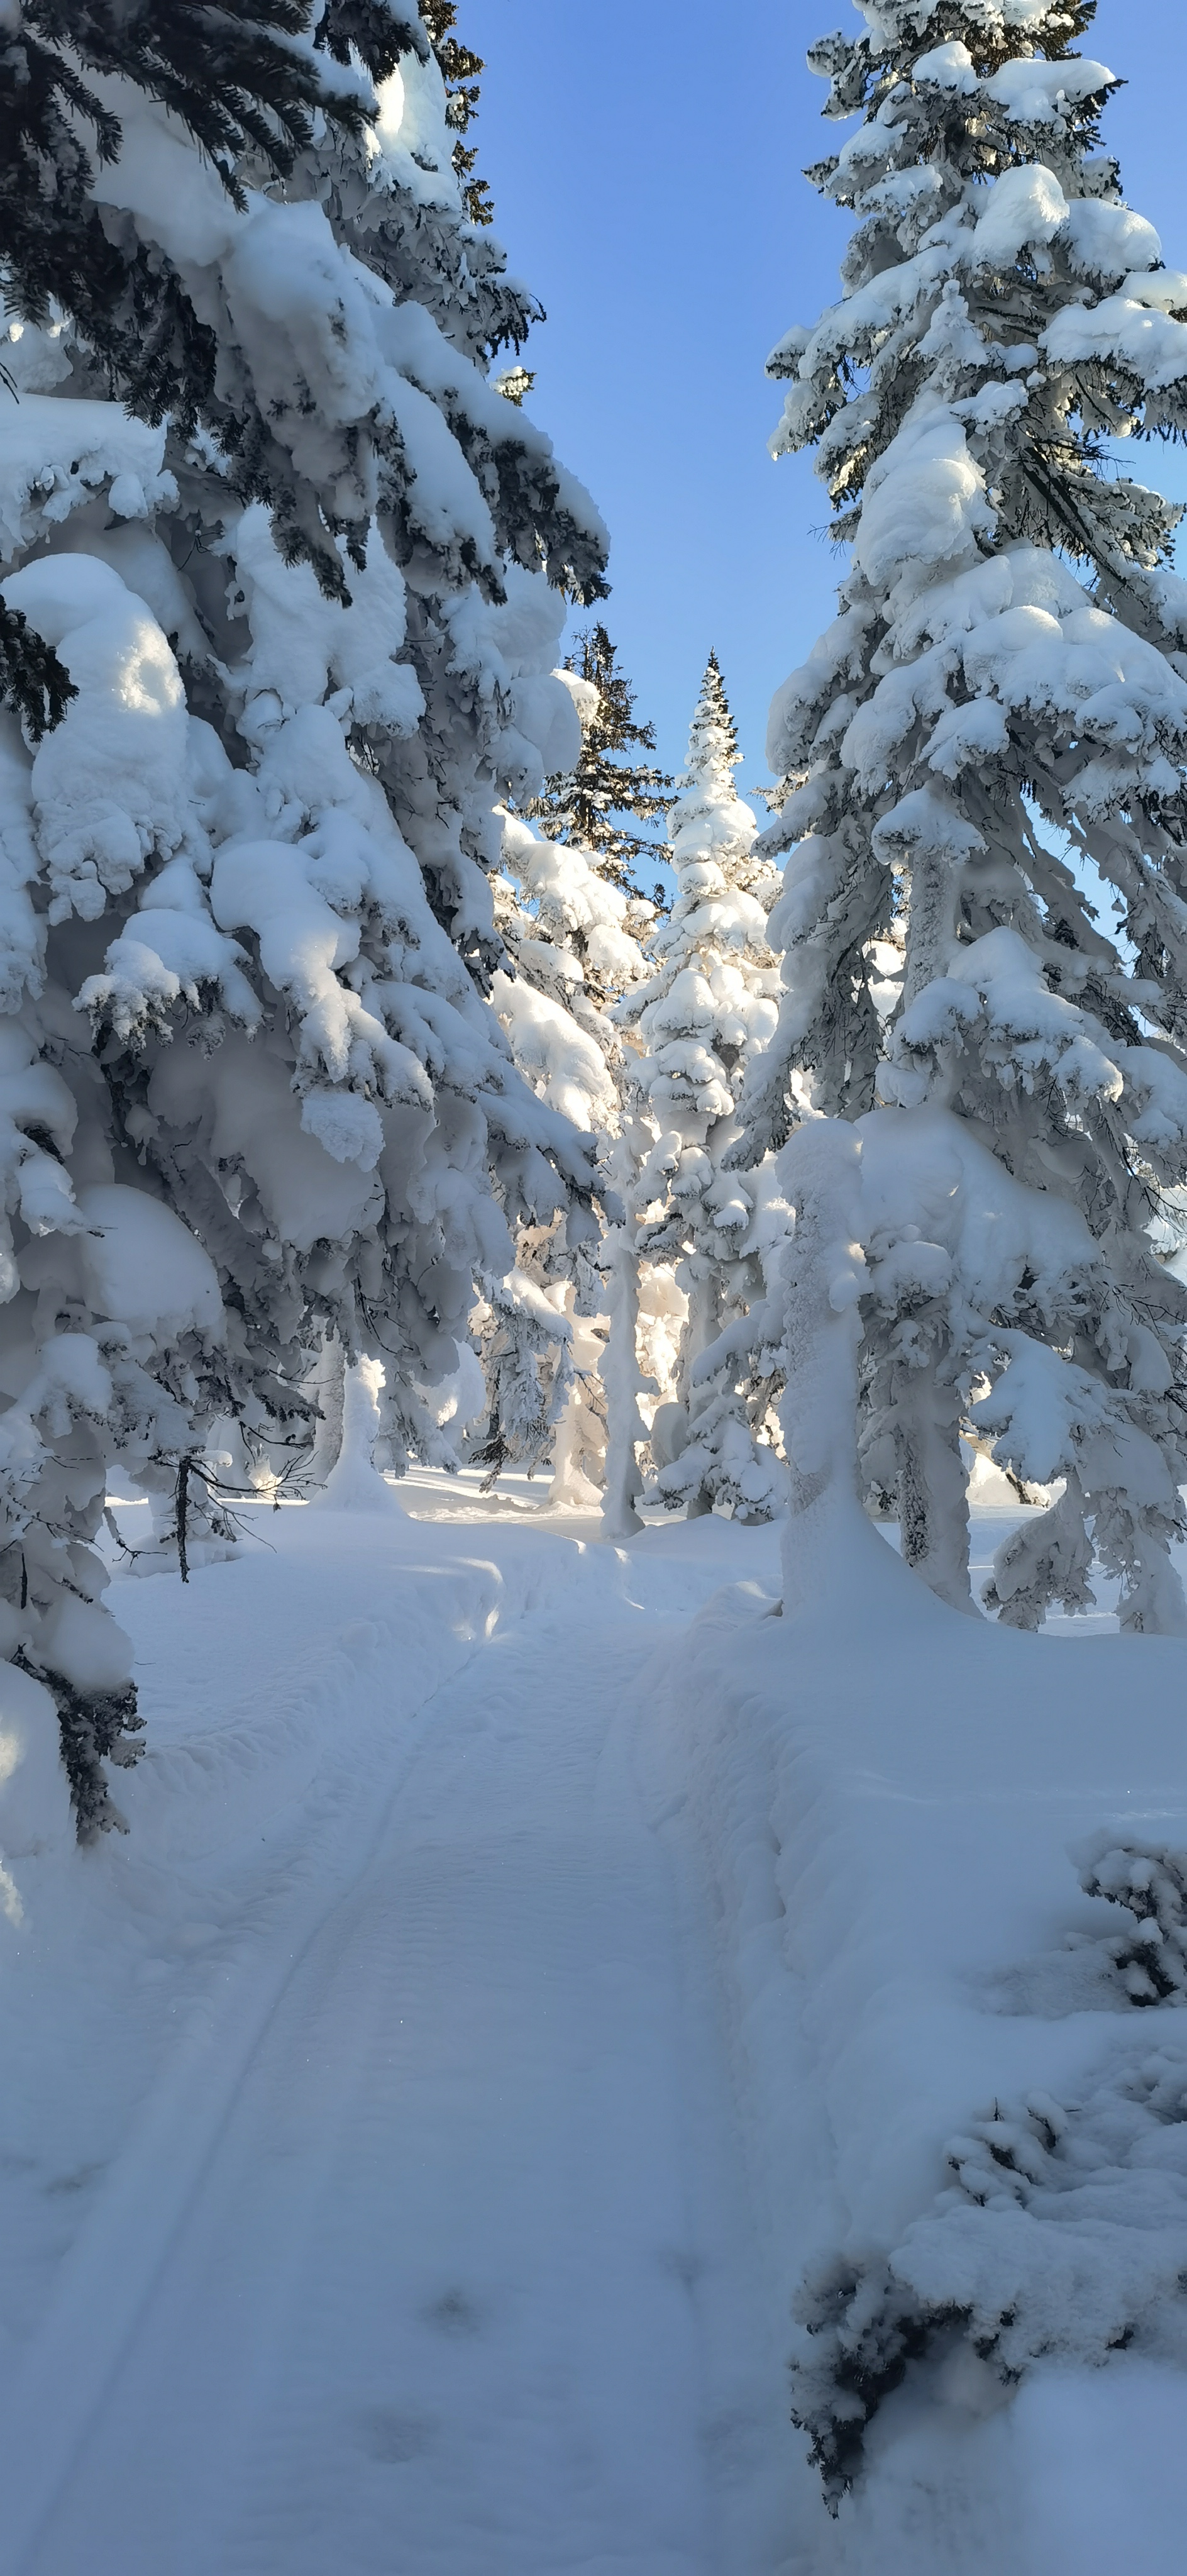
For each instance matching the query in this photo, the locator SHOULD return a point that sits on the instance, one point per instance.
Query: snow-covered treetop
(709, 820)
(706, 1011)
(709, 1006)
(1005, 313)
(595, 803)
(713, 736)
(976, 171)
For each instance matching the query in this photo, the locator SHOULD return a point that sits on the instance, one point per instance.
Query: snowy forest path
(467, 2283)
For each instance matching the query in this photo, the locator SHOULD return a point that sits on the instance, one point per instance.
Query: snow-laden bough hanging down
(986, 768)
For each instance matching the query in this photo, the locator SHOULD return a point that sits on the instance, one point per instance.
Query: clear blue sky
(646, 163)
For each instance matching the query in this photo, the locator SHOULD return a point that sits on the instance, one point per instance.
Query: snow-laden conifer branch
(33, 682)
(597, 802)
(214, 290)
(1061, 2230)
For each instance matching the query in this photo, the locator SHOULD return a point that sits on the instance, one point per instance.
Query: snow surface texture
(531, 1964)
(968, 2145)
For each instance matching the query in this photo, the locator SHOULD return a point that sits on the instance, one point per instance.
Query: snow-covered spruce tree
(112, 1318)
(595, 803)
(412, 211)
(702, 1015)
(439, 682)
(291, 1051)
(564, 928)
(572, 923)
(996, 725)
(595, 809)
(492, 710)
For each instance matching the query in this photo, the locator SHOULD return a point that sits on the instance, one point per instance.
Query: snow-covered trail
(464, 2280)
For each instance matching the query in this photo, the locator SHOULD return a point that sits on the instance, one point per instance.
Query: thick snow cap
(144, 1268)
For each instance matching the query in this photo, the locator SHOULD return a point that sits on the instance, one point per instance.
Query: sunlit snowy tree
(593, 811)
(113, 1326)
(249, 925)
(574, 924)
(569, 951)
(987, 749)
(706, 1010)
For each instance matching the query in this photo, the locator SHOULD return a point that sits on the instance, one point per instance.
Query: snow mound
(354, 1483)
(145, 1269)
(969, 2201)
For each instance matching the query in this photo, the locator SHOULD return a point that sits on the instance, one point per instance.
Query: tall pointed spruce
(706, 1011)
(569, 952)
(599, 802)
(593, 810)
(989, 745)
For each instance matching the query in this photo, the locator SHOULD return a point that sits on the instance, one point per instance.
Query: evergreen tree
(494, 720)
(572, 938)
(255, 1091)
(587, 811)
(996, 723)
(568, 949)
(587, 804)
(703, 1014)
(443, 694)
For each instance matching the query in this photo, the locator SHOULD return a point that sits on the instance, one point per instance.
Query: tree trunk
(327, 1385)
(821, 1172)
(933, 1488)
(619, 1369)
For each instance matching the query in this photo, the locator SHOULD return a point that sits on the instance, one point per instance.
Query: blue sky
(646, 163)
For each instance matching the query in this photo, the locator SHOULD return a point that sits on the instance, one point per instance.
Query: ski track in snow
(430, 2249)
